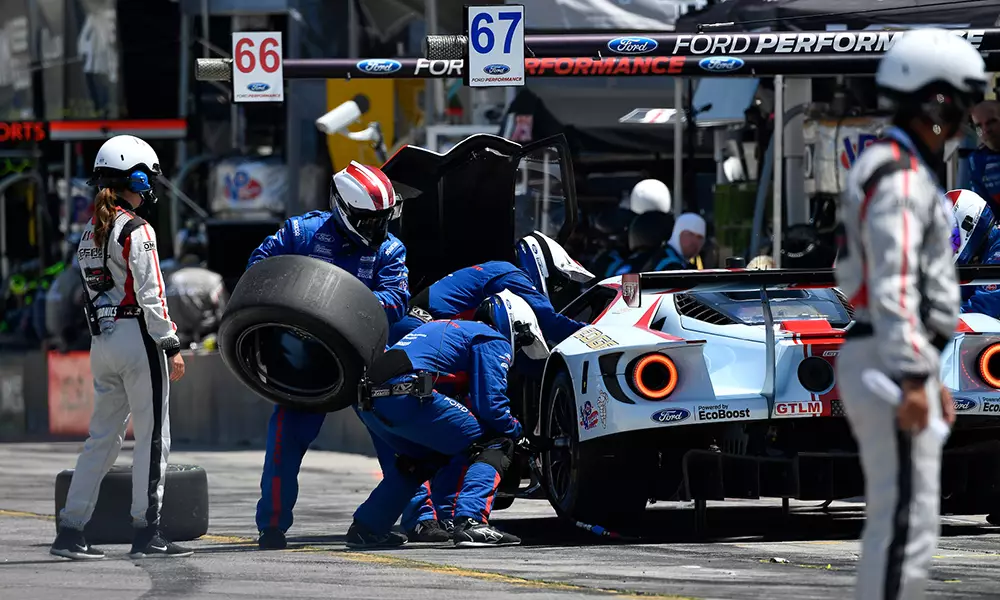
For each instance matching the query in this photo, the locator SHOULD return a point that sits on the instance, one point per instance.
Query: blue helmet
(509, 314)
(548, 265)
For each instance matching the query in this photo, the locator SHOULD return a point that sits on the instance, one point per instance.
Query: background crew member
(352, 235)
(895, 264)
(984, 162)
(133, 342)
(429, 430)
(976, 240)
(686, 241)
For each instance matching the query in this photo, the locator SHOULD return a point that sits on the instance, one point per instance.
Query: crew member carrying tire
(352, 235)
(895, 265)
(430, 431)
(134, 349)
(546, 270)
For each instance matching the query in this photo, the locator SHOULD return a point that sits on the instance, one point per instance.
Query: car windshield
(786, 305)
(538, 196)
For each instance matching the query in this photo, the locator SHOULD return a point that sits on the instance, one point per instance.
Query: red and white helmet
(972, 223)
(363, 202)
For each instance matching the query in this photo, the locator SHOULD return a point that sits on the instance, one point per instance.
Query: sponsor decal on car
(588, 416)
(670, 416)
(722, 412)
(602, 407)
(594, 338)
(965, 404)
(798, 409)
(632, 45)
(721, 64)
(379, 66)
(622, 65)
(991, 406)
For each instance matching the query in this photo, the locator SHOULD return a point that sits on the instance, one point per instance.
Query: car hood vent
(690, 306)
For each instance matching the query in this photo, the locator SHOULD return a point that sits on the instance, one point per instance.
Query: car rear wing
(633, 284)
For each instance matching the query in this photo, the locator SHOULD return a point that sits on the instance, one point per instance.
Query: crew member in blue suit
(352, 235)
(976, 240)
(429, 430)
(984, 162)
(546, 272)
(686, 241)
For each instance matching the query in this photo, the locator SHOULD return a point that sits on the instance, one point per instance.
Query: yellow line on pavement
(407, 563)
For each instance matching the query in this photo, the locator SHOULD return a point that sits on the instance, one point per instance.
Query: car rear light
(816, 375)
(989, 365)
(654, 376)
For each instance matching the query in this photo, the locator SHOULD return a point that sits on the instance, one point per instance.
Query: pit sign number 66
(496, 46)
(257, 67)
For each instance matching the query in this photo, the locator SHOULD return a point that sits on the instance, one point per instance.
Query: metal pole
(718, 143)
(182, 111)
(204, 29)
(64, 224)
(691, 139)
(293, 157)
(678, 146)
(779, 160)
(434, 102)
(234, 108)
(353, 30)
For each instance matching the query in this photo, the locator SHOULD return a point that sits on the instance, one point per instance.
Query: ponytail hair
(104, 215)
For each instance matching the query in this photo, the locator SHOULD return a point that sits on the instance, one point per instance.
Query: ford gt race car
(707, 385)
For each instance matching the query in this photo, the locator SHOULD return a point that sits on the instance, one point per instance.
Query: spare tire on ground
(299, 331)
(183, 517)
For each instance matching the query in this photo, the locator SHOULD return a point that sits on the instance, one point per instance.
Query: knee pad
(497, 453)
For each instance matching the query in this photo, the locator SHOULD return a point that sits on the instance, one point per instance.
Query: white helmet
(126, 162)
(550, 267)
(649, 195)
(510, 315)
(931, 72)
(973, 221)
(363, 202)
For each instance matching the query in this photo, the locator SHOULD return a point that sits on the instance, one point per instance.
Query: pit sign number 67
(257, 67)
(495, 55)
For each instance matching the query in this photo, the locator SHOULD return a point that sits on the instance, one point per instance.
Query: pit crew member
(895, 265)
(134, 352)
(353, 235)
(429, 430)
(686, 242)
(976, 240)
(984, 162)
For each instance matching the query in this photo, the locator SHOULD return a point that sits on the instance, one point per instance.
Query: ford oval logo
(496, 69)
(632, 45)
(721, 64)
(380, 66)
(258, 86)
(670, 415)
(964, 404)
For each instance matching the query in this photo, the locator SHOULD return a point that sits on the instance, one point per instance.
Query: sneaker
(472, 534)
(428, 531)
(358, 536)
(448, 525)
(70, 543)
(272, 538)
(156, 547)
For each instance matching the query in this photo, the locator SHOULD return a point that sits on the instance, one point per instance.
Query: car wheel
(597, 481)
(183, 517)
(300, 331)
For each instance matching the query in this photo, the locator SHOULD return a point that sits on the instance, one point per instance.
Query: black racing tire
(313, 300)
(183, 517)
(602, 482)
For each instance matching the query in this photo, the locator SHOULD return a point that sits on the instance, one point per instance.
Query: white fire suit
(895, 265)
(128, 362)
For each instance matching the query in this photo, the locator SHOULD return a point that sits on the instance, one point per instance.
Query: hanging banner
(249, 185)
(71, 394)
(16, 101)
(831, 149)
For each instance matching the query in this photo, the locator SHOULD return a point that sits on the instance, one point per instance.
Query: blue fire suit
(984, 176)
(439, 430)
(985, 299)
(289, 431)
(459, 294)
(671, 260)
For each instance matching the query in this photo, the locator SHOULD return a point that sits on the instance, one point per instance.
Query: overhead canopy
(807, 15)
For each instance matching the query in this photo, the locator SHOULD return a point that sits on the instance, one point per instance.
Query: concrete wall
(209, 407)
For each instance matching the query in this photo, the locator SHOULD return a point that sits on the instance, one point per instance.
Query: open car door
(471, 204)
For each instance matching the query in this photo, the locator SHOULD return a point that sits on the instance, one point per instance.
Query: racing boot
(472, 534)
(149, 543)
(272, 538)
(70, 543)
(448, 525)
(428, 530)
(361, 538)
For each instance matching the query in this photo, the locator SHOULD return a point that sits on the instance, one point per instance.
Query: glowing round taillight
(654, 376)
(989, 366)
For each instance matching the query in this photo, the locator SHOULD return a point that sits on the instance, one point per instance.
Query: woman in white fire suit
(133, 353)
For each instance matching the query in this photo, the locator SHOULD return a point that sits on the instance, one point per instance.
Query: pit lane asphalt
(752, 552)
